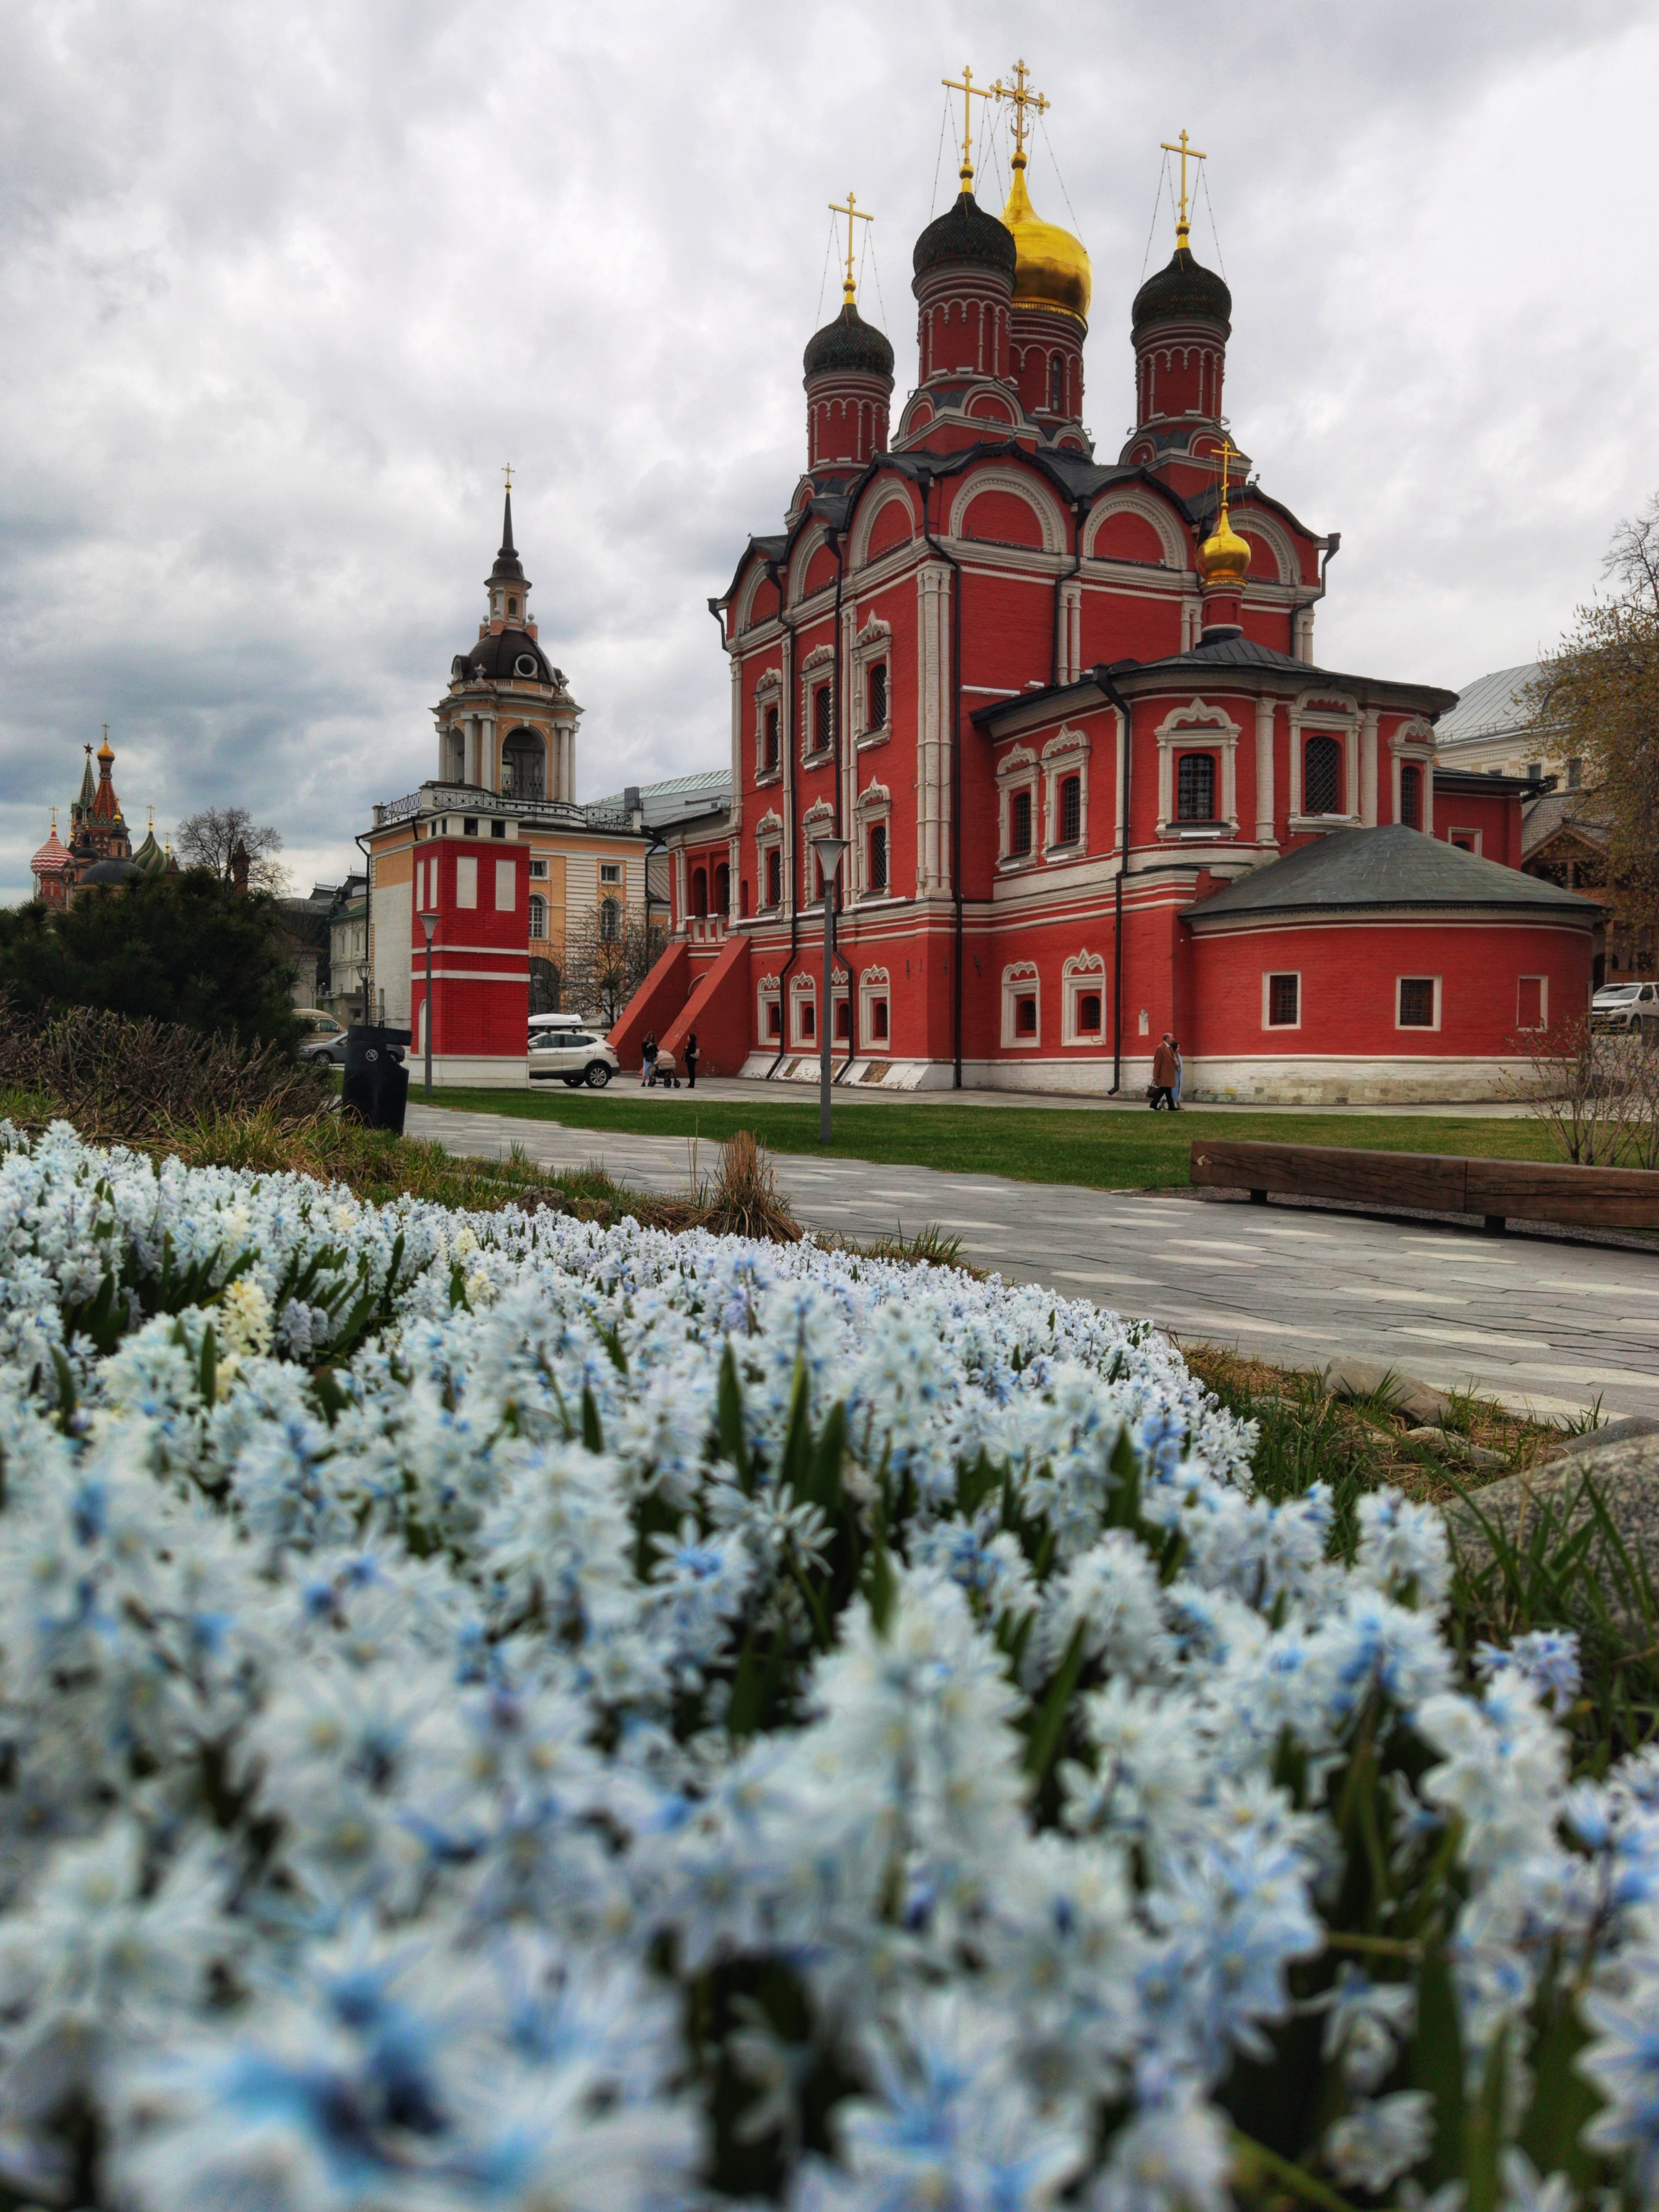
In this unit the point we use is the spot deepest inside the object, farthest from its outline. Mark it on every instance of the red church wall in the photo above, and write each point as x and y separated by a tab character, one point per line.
479	888
893	526
820	573
1350	973
1000	518
1489	823
1125	536
1129	626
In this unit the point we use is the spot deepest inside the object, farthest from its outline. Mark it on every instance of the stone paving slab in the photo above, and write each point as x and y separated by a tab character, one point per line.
1552	1326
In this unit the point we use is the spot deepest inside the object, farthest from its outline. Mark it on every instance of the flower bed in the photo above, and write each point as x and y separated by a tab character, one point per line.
499	1711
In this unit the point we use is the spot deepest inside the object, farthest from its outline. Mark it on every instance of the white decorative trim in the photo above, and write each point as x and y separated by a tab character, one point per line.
873	797
1325	713
1042	506
821	656
888	494
801	559
1082	974
1066	753
1196	727
1273	535
1417	1028
873	984
1147	509
1267	976
1020	980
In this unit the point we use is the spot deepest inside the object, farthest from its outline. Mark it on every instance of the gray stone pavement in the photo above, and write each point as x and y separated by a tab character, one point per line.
1551	1326
736	1089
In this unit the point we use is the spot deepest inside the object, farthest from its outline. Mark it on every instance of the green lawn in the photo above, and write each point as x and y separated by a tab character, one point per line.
1037	1144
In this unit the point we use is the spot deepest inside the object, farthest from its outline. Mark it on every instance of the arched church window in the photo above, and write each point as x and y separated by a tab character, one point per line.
1019	824
538	916
610	920
1411	795
1056	384
1195	788
1321	776
700	893
822	705
878	856
511	605
1071	809
769	760
524	765
774	878
723	888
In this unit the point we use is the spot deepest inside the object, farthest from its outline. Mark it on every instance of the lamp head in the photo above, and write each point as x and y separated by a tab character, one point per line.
429	922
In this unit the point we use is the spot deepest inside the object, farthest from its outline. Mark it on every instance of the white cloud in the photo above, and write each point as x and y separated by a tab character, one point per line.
283	287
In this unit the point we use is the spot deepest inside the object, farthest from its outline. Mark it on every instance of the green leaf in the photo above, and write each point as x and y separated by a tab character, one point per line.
1435	2062
208	1370
593	1431
824	1479
880	1586
1123	1507
728	1404
1563	2101
1048	1725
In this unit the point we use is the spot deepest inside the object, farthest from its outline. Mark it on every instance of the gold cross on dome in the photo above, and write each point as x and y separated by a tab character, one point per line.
506	470
970	91
853	213
1022	97
1188	152
1223	456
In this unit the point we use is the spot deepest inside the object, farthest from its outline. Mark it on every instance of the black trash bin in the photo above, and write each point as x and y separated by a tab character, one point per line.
376	1087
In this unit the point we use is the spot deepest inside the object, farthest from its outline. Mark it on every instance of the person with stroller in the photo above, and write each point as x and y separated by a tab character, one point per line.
648	1061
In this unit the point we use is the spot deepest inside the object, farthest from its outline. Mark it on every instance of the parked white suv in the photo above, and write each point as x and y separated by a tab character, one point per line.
562	1046
1625	1006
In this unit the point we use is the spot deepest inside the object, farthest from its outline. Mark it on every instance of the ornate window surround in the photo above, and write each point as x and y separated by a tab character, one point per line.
1412	741
873	643
874	804
1083	971
768	692
1331	714
768	838
1176	547
1196	727
1066	753
1018	771
767	995
873	984
820	816
1020	980
812	676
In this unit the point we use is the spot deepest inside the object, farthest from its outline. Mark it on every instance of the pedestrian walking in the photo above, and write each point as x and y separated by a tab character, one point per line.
689	1054
1165	1069
1180	1070
648	1061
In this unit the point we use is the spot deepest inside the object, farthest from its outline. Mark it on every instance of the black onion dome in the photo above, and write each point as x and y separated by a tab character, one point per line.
500	656
965	233
850	346
1184	290
111	872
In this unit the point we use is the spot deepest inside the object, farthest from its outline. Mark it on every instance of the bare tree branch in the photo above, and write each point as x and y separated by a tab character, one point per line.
207	840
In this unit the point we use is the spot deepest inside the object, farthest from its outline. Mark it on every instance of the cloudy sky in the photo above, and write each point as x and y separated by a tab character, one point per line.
282	286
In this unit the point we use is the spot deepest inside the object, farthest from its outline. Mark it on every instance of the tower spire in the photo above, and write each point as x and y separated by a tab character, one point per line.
507	563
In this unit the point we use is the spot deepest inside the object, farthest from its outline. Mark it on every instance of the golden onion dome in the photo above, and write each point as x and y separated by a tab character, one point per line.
1223	557
1051	269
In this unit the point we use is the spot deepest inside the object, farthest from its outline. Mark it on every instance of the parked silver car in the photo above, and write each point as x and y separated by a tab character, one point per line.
1626	1007
572	1055
321	1036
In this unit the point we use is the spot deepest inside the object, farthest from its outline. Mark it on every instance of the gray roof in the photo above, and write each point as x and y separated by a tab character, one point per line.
1352	869
677	799
1489	706
1582	811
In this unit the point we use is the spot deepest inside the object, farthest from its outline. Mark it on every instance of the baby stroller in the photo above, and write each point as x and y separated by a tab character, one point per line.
663	1072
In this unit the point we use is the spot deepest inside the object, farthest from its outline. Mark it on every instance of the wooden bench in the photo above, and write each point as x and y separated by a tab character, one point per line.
1433	1183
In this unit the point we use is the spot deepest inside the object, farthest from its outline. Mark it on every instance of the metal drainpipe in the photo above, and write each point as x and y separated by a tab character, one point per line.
793	826
1333	547
925	476
1103	677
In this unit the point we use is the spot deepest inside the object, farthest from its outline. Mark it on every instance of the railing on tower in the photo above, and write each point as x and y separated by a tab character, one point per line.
470	799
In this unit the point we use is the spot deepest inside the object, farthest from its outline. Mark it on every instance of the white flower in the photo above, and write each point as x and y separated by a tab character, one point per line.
1376	2143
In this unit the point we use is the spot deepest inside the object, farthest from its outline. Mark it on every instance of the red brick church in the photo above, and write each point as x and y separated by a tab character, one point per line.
1068	713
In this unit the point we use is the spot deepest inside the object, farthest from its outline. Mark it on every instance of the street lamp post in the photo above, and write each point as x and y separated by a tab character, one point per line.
830	852
428	923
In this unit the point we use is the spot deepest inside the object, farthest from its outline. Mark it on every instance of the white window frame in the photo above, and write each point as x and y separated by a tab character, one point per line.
768	838
1476	840
537	936
1533	1029
1417	1028
1066	754
538	871
817	672
874	804
767	995
803	992
1326	715
1268	977
768	692
1083	972
1198	728
873	985
1017	772
610	872
1020	980
874	642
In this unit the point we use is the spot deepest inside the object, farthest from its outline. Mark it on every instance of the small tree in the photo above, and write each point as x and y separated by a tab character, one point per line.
608	953
1596	699
209	839
175	948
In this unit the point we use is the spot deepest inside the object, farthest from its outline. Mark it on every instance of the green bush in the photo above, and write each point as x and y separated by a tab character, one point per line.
181	948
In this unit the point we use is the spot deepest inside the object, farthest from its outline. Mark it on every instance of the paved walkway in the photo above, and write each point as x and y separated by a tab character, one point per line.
742	1090
1552	1326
